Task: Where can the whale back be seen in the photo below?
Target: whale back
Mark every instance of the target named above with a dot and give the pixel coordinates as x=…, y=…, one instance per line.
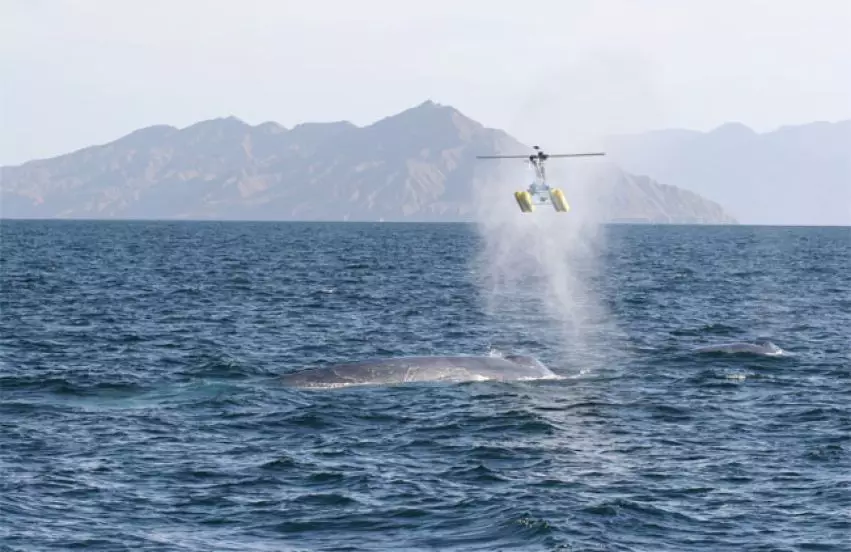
x=418, y=369
x=758, y=347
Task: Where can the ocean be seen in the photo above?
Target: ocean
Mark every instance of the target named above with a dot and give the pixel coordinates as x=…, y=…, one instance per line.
x=140, y=405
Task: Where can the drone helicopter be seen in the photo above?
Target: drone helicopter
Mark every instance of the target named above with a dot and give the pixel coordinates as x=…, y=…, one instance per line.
x=539, y=192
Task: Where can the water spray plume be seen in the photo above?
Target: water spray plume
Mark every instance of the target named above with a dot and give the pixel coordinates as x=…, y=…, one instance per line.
x=537, y=270
x=541, y=272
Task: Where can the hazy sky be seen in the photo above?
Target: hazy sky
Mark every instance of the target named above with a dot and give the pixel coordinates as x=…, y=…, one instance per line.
x=80, y=72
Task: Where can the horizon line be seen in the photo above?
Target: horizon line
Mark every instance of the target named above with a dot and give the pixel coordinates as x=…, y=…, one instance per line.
x=409, y=221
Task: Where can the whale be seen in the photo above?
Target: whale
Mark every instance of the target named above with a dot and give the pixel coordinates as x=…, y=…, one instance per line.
x=396, y=370
x=759, y=347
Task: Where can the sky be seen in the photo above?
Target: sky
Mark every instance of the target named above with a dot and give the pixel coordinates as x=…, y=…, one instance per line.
x=560, y=72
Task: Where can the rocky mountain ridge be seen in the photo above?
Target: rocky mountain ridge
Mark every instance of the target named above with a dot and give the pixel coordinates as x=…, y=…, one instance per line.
x=419, y=164
x=794, y=175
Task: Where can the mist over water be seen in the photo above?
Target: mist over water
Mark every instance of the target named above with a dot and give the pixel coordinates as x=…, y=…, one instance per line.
x=545, y=268
x=540, y=269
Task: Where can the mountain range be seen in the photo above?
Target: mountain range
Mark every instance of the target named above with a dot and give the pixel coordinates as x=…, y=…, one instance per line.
x=795, y=175
x=419, y=164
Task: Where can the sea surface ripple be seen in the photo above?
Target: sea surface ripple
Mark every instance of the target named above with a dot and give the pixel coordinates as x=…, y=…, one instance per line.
x=139, y=406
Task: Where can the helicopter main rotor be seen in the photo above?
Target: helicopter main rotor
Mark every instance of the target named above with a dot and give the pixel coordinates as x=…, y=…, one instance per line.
x=539, y=155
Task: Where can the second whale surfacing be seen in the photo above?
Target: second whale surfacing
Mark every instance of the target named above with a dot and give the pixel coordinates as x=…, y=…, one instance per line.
x=762, y=347
x=455, y=369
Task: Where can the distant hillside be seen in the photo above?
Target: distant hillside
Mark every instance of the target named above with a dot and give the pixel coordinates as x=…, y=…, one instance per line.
x=793, y=175
x=416, y=165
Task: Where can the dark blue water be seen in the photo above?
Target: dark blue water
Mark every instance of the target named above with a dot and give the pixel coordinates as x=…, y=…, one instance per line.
x=139, y=408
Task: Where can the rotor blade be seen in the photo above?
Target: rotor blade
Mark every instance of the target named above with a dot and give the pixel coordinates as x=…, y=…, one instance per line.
x=573, y=154
x=502, y=157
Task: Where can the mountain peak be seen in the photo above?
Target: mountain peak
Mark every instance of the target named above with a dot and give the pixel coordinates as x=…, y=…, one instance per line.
x=428, y=108
x=271, y=127
x=429, y=117
x=734, y=129
x=231, y=121
x=434, y=106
